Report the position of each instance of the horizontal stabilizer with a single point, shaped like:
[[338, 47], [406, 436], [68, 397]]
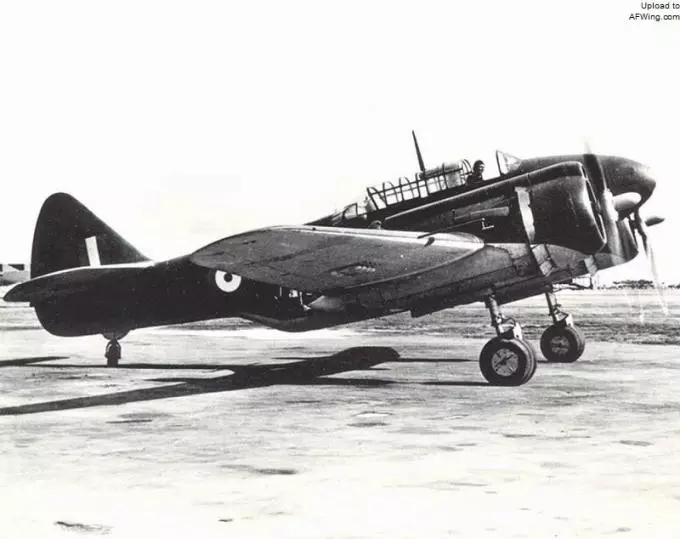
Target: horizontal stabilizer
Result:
[[71, 281]]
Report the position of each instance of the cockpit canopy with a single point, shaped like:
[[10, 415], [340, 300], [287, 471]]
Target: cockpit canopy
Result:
[[447, 176], [507, 163]]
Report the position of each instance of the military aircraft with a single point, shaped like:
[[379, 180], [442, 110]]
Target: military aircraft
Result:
[[13, 273], [421, 245]]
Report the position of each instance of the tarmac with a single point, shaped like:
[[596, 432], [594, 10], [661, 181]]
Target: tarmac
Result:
[[383, 429]]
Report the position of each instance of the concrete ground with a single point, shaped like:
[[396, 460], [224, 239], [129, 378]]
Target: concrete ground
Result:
[[233, 431]]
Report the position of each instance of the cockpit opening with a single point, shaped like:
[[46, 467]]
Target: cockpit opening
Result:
[[448, 176]]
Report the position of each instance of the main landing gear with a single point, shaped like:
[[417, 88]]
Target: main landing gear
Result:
[[113, 348], [562, 342], [507, 359]]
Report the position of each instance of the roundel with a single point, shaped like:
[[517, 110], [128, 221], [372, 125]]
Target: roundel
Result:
[[227, 282]]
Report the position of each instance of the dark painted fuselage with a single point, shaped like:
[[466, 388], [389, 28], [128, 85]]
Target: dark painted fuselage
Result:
[[171, 292], [178, 291], [624, 175]]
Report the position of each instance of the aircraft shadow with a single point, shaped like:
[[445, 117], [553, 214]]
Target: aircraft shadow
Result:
[[18, 362], [455, 383], [243, 377], [201, 366], [405, 359], [306, 371], [432, 360], [147, 366]]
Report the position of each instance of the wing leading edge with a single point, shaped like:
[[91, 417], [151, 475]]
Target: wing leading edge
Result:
[[321, 259]]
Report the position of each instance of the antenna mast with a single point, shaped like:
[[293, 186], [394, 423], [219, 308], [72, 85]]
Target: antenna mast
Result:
[[420, 156]]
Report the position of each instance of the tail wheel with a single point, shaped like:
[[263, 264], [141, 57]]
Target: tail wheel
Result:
[[562, 344], [112, 354], [507, 362]]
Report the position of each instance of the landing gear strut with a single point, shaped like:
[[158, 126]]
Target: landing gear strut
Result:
[[562, 342], [507, 359], [113, 348]]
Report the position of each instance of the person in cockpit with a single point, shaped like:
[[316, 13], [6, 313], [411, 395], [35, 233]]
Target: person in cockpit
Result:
[[368, 205], [476, 177]]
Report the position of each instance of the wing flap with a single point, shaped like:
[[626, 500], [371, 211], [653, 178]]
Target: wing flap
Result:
[[320, 259]]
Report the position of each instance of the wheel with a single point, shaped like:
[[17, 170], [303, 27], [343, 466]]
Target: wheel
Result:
[[535, 354], [562, 344], [112, 353], [507, 362]]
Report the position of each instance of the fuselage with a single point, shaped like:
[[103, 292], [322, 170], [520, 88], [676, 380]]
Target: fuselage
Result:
[[543, 223]]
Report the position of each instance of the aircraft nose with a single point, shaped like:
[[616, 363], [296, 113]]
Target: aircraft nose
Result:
[[626, 176], [645, 180]]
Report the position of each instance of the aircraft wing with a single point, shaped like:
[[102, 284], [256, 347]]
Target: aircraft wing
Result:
[[321, 259]]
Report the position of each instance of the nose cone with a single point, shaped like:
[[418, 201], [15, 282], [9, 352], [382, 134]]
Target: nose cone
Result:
[[628, 176]]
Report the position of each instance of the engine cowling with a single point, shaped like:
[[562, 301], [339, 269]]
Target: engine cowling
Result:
[[562, 211]]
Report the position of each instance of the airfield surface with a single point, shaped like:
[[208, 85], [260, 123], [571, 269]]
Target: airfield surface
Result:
[[227, 429]]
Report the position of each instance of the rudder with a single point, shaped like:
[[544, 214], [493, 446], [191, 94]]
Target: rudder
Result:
[[68, 235]]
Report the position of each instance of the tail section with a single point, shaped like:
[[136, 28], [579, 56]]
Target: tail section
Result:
[[68, 235]]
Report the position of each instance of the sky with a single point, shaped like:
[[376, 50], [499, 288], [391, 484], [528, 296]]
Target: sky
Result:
[[179, 123]]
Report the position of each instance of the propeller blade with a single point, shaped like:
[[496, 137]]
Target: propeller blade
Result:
[[657, 281], [654, 220], [607, 203], [641, 227], [594, 170], [625, 202]]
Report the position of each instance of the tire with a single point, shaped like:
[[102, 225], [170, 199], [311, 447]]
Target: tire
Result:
[[535, 354], [112, 354], [562, 344], [507, 362]]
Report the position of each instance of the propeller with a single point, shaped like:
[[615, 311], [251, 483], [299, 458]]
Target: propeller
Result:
[[613, 207], [595, 171], [606, 203], [639, 225], [624, 203]]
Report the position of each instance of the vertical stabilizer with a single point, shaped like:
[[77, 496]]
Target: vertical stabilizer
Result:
[[68, 235]]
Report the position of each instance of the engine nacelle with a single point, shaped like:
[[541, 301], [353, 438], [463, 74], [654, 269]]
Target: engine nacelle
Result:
[[562, 211]]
